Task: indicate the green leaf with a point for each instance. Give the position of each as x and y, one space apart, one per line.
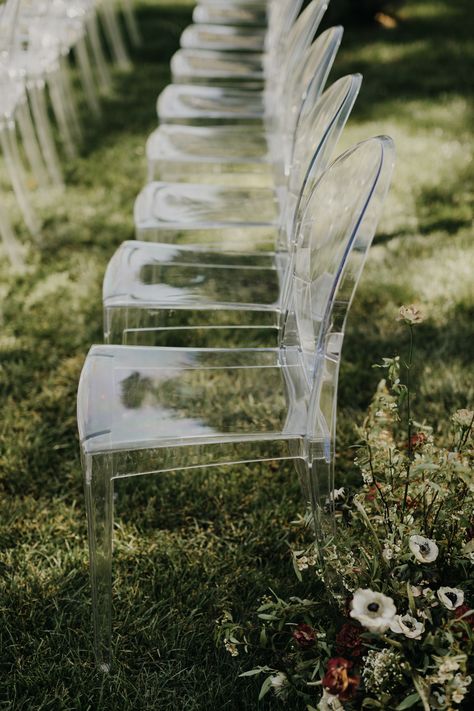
409 701
310 708
265 688
254 672
369 703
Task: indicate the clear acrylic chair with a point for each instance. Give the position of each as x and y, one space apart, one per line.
152 291
182 103
224 67
148 288
12 98
163 209
142 411
223 154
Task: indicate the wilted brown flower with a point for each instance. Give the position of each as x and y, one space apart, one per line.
410 315
304 636
337 680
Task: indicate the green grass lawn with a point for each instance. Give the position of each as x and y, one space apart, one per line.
189 546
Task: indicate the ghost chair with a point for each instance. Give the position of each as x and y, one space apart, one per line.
142 410
191 104
12 98
225 67
211 213
151 288
239 154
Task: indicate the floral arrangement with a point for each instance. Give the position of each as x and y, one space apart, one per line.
392 624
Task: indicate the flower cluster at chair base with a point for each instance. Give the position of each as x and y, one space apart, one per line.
386 616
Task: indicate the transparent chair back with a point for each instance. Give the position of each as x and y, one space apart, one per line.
301 90
285 56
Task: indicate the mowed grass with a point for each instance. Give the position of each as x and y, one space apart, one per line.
189 546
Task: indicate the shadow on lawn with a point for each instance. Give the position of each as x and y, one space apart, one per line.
424 57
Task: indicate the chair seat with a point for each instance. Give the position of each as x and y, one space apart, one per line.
181 102
228 13
192 65
192 206
228 145
144 274
222 37
140 398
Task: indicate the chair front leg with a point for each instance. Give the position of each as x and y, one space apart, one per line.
99 504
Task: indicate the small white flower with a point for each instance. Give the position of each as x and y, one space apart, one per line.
407 625
463 418
302 563
424 549
336 495
329 702
367 477
446 671
387 553
415 590
457 696
375 611
451 597
278 682
231 648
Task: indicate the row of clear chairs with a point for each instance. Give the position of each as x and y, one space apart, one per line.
245 226
36 39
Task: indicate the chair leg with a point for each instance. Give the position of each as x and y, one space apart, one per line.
16 173
40 115
99 505
114 36
131 23
30 143
12 247
59 110
70 104
87 77
103 72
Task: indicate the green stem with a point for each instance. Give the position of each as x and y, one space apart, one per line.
408 366
466 434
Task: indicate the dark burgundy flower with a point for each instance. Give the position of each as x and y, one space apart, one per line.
371 493
337 681
418 440
348 640
470 532
460 611
304 636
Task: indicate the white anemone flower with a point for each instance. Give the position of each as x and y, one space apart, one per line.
424 549
278 682
451 597
375 611
407 625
